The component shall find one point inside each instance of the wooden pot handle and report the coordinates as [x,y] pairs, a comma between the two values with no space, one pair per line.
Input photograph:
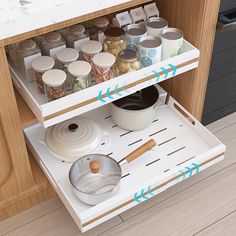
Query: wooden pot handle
[141,150]
[94,166]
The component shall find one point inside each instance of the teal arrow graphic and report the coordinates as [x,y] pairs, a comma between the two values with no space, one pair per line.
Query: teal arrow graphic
[182,173]
[174,69]
[116,90]
[135,198]
[142,194]
[149,191]
[197,167]
[100,97]
[157,74]
[108,94]
[166,72]
[190,171]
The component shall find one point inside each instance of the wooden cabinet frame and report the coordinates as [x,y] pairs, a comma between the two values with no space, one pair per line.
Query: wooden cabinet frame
[25,185]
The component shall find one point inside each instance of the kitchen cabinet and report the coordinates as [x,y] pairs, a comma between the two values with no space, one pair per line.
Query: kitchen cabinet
[24,184]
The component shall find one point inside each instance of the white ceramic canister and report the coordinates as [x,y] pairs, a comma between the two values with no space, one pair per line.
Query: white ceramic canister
[103,63]
[150,49]
[172,42]
[133,34]
[155,26]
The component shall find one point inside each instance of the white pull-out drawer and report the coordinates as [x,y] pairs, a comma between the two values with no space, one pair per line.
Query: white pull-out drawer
[184,148]
[50,113]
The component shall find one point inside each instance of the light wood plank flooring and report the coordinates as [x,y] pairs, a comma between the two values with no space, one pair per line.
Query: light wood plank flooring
[202,205]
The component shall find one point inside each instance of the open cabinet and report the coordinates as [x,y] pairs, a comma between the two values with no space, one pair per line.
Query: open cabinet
[24,184]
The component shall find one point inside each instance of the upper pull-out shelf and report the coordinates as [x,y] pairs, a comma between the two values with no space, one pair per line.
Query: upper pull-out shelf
[18,16]
[50,113]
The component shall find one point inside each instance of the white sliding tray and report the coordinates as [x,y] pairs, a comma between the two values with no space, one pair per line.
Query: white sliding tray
[185,147]
[50,113]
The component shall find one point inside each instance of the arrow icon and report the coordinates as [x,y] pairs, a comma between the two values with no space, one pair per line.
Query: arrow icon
[197,167]
[190,171]
[142,194]
[182,173]
[157,74]
[108,94]
[166,72]
[174,69]
[116,90]
[135,198]
[149,191]
[100,97]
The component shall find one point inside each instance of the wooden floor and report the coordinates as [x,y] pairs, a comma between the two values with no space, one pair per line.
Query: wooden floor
[202,205]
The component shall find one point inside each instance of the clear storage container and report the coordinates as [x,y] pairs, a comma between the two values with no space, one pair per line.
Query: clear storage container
[127,61]
[74,36]
[27,52]
[54,83]
[40,65]
[97,31]
[103,66]
[80,74]
[114,41]
[12,52]
[52,43]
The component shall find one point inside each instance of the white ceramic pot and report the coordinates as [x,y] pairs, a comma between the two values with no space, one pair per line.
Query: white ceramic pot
[132,113]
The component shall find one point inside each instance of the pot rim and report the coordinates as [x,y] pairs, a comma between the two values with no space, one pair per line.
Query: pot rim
[98,154]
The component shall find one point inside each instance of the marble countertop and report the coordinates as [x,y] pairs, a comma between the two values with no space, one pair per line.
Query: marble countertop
[20,16]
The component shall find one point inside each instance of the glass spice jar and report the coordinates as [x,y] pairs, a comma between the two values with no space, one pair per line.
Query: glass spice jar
[97,31]
[27,52]
[74,35]
[103,63]
[127,61]
[52,43]
[80,74]
[40,65]
[114,41]
[12,52]
[63,58]
[54,84]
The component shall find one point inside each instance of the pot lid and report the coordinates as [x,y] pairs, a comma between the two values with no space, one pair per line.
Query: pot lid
[91,47]
[67,55]
[74,138]
[43,63]
[54,77]
[104,59]
[79,68]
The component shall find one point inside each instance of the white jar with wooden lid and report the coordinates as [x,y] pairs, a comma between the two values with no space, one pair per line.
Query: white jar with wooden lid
[52,43]
[54,82]
[27,52]
[40,65]
[80,74]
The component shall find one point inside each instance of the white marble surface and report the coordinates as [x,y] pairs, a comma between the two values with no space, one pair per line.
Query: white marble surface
[19,16]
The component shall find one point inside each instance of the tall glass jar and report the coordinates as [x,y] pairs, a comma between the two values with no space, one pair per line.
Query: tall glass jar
[63,58]
[127,61]
[74,36]
[52,43]
[114,41]
[12,52]
[103,66]
[54,83]
[97,31]
[80,74]
[40,65]
[27,52]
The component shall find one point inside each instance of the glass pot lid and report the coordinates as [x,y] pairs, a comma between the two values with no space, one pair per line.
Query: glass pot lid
[74,138]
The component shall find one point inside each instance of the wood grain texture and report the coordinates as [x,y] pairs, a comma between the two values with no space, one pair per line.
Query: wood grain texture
[27,117]
[12,129]
[198,21]
[33,33]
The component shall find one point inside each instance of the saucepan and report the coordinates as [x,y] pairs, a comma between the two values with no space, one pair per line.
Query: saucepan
[96,177]
[136,111]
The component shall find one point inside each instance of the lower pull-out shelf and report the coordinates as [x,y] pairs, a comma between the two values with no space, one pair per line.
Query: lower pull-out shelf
[184,148]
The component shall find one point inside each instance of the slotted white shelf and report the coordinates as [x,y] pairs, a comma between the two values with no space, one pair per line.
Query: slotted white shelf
[185,147]
[50,113]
